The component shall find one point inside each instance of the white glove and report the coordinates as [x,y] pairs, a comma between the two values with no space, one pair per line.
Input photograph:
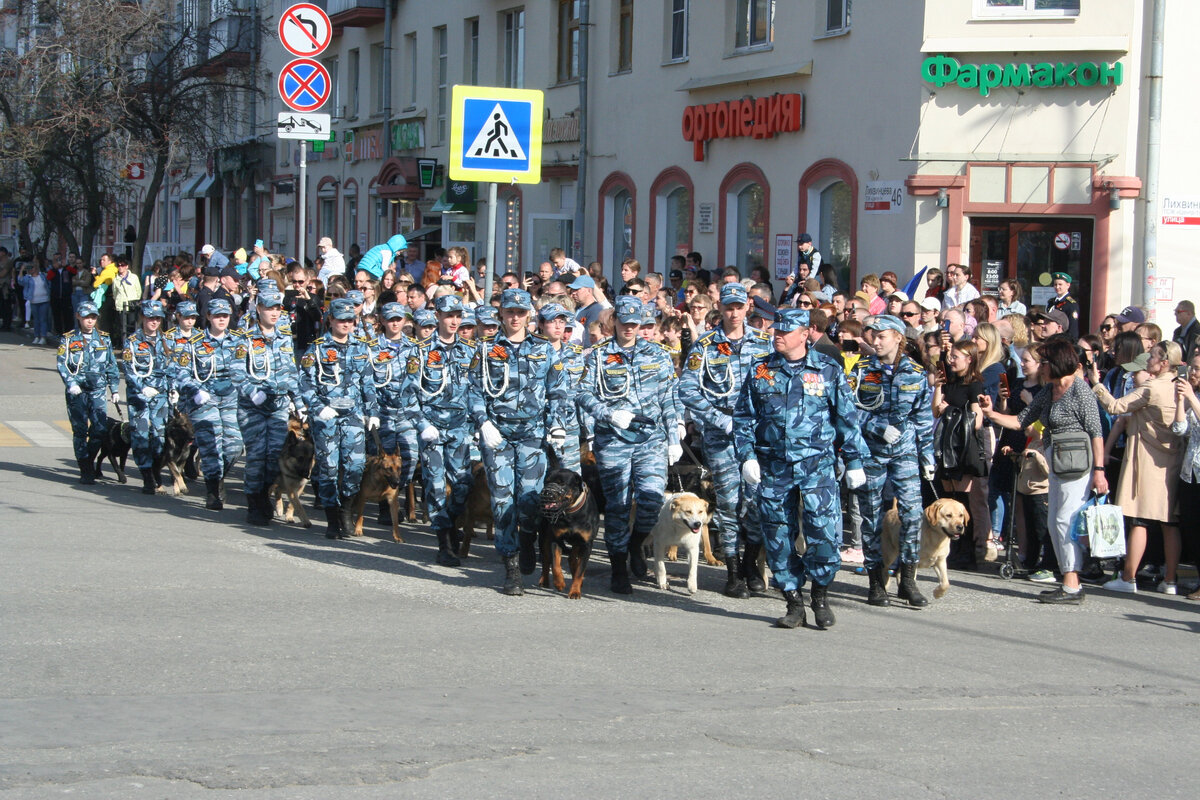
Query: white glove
[149,392]
[727,424]
[556,437]
[891,435]
[116,398]
[74,390]
[372,423]
[681,429]
[855,478]
[622,418]
[751,473]
[929,473]
[258,397]
[201,397]
[303,414]
[173,397]
[490,434]
[674,453]
[429,434]
[327,413]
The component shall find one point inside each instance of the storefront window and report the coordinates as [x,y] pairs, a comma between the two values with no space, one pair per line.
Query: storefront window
[622,230]
[834,237]
[751,228]
[679,223]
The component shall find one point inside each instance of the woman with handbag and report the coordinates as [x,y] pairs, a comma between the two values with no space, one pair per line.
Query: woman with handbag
[1187,425]
[1148,485]
[1070,416]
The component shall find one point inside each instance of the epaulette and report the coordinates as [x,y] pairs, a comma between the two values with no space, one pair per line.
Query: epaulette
[370,342]
[196,336]
[663,347]
[761,356]
[536,335]
[485,338]
[170,332]
[242,332]
[103,334]
[574,347]
[760,334]
[704,337]
[602,342]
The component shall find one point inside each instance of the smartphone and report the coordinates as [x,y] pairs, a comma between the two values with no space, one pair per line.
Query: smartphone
[946,325]
[849,346]
[1181,372]
[1004,381]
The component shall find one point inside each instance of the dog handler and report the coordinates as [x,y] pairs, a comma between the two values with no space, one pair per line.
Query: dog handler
[267,379]
[554,320]
[89,370]
[146,364]
[712,377]
[793,414]
[896,407]
[397,407]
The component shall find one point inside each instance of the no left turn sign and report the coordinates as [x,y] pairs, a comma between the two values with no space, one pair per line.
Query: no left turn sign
[305,30]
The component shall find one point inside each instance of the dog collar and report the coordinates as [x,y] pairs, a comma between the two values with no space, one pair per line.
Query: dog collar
[578,504]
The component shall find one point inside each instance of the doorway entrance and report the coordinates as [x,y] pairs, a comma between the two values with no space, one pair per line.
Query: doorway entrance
[1030,249]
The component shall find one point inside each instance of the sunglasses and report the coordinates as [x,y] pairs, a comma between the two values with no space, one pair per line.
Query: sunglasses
[805,304]
[1106,327]
[910,313]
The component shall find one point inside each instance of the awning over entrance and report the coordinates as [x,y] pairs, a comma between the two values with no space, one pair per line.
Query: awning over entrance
[421,233]
[205,186]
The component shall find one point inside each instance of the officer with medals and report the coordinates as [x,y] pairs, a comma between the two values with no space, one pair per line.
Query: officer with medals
[146,364]
[896,408]
[792,416]
[267,380]
[554,319]
[89,370]
[629,390]
[517,386]
[712,377]
[437,384]
[338,388]
[1065,303]
[397,408]
[205,371]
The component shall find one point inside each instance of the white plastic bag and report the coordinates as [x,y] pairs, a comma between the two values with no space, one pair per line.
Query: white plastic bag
[1105,529]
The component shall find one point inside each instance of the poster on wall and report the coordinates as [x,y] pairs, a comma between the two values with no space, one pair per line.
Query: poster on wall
[783,255]
[992,270]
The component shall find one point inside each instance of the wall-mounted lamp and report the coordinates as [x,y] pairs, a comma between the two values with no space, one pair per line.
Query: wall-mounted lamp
[1114,196]
[943,199]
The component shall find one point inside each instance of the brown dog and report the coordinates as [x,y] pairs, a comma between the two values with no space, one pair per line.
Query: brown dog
[570,521]
[478,509]
[295,466]
[380,481]
[944,521]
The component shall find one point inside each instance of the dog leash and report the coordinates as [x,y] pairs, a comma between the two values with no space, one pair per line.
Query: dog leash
[704,471]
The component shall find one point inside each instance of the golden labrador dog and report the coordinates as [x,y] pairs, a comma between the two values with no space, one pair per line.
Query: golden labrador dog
[944,521]
[682,521]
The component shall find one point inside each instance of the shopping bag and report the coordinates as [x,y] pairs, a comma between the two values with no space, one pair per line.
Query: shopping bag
[1079,532]
[1105,529]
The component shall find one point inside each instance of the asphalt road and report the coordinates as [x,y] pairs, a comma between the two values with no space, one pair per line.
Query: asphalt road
[150,648]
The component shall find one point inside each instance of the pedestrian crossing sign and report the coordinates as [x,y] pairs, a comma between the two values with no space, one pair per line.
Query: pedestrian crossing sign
[496,135]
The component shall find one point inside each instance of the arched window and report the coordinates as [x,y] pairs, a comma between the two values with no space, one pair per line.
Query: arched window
[618,223]
[829,213]
[671,198]
[745,219]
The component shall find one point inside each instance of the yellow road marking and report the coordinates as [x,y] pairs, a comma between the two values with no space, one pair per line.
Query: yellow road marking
[10,438]
[64,426]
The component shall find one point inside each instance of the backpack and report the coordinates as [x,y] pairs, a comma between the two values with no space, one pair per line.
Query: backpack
[956,445]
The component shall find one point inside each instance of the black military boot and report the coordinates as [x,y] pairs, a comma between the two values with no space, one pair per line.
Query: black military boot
[512,576]
[158,478]
[446,556]
[268,508]
[254,513]
[754,579]
[734,585]
[527,556]
[620,574]
[877,593]
[822,613]
[85,472]
[148,486]
[333,523]
[638,570]
[908,586]
[385,514]
[212,498]
[346,511]
[795,616]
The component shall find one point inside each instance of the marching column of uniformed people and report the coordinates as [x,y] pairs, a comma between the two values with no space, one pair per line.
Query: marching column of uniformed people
[146,365]
[88,369]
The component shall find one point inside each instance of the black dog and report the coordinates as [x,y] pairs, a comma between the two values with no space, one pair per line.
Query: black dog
[115,447]
[570,521]
[178,446]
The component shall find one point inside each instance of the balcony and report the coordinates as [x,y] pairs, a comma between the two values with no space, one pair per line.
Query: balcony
[228,42]
[355,13]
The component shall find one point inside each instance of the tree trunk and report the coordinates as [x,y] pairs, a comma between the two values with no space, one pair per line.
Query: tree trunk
[149,203]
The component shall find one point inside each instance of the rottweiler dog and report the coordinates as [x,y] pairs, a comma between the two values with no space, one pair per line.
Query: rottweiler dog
[115,447]
[570,521]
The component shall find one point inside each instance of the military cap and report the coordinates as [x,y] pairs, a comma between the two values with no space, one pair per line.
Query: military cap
[153,308]
[790,319]
[448,304]
[733,293]
[356,296]
[342,309]
[394,311]
[424,318]
[87,309]
[886,322]
[516,298]
[270,299]
[553,311]
[219,306]
[628,309]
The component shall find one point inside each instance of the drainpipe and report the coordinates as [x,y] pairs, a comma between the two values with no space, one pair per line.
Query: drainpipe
[1145,294]
[387,79]
[585,27]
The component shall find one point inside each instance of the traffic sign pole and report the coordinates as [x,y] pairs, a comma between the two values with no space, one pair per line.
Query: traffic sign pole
[491,245]
[300,193]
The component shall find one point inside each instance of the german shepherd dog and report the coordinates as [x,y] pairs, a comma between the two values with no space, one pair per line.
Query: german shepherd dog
[570,521]
[296,461]
[178,445]
[380,481]
[478,509]
[115,447]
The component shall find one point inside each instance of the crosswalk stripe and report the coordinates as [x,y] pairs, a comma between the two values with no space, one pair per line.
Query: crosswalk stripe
[40,433]
[10,438]
[64,426]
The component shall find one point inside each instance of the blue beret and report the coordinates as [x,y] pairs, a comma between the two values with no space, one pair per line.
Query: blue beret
[186,308]
[516,298]
[342,309]
[733,293]
[152,308]
[886,322]
[628,309]
[448,304]
[219,306]
[356,296]
[424,318]
[553,311]
[270,298]
[789,319]
[394,311]
[87,309]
